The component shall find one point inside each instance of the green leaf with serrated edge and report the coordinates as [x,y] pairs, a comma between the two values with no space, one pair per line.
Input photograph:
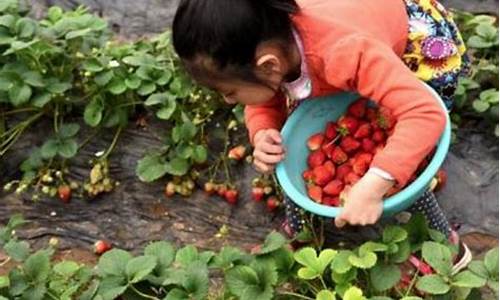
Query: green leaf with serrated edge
[314,266]
[384,277]
[93,112]
[480,106]
[273,242]
[67,148]
[490,96]
[164,253]
[146,88]
[353,293]
[113,263]
[7,20]
[200,154]
[17,250]
[4,282]
[432,284]
[177,166]
[340,262]
[68,130]
[228,256]
[33,78]
[186,255]
[380,298]
[177,294]
[25,27]
[438,257]
[40,100]
[67,268]
[411,298]
[478,42]
[133,82]
[253,282]
[363,260]
[20,94]
[116,86]
[18,282]
[167,110]
[403,252]
[394,234]
[373,247]
[50,148]
[325,295]
[103,78]
[196,280]
[37,266]
[151,167]
[111,287]
[467,279]
[491,262]
[139,267]
[58,87]
[344,278]
[477,267]
[93,65]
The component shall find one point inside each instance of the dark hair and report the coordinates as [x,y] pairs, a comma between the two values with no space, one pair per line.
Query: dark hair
[229,31]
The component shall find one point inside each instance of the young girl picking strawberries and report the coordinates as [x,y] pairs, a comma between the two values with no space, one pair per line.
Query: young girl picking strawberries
[271,54]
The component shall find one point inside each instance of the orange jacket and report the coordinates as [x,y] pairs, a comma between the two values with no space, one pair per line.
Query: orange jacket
[356,46]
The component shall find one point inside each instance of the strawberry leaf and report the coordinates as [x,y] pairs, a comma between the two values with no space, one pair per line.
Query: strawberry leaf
[314,266]
[433,284]
[229,256]
[467,279]
[491,262]
[394,234]
[340,263]
[384,277]
[113,262]
[252,282]
[438,257]
[273,242]
[353,293]
[196,280]
[139,267]
[325,295]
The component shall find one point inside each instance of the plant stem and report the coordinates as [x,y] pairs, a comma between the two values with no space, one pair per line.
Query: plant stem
[3,263]
[142,294]
[87,139]
[412,283]
[130,104]
[113,143]
[322,282]
[312,286]
[295,295]
[16,132]
[20,110]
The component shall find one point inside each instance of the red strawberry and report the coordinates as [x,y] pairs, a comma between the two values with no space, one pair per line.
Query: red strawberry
[363,131]
[328,148]
[64,192]
[315,192]
[330,166]
[170,189]
[342,171]
[331,201]
[371,114]
[338,155]
[334,187]
[315,141]
[347,125]
[358,108]
[257,193]
[367,145]
[331,130]
[365,157]
[221,190]
[209,188]
[237,153]
[385,119]
[316,158]
[322,175]
[422,267]
[308,175]
[442,178]
[231,196]
[272,203]
[351,178]
[101,246]
[378,136]
[360,167]
[349,144]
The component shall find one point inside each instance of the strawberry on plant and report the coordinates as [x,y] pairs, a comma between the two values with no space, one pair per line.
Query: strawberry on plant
[101,246]
[316,158]
[170,189]
[221,190]
[358,108]
[237,153]
[334,187]
[231,196]
[315,141]
[331,130]
[442,178]
[349,144]
[209,187]
[322,175]
[315,192]
[64,192]
[347,125]
[421,266]
[268,190]
[338,156]
[257,193]
[364,130]
[272,203]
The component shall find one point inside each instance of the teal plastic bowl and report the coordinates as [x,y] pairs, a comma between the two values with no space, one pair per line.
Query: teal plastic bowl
[311,117]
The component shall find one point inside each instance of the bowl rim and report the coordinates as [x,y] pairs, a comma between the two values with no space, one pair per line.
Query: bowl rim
[396,202]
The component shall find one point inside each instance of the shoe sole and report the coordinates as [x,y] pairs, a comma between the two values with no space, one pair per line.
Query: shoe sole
[463,262]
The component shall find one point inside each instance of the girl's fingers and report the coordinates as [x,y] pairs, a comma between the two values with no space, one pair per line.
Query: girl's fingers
[274,136]
[271,148]
[268,158]
[262,167]
[340,220]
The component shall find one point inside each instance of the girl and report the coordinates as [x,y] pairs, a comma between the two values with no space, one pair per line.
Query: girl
[271,54]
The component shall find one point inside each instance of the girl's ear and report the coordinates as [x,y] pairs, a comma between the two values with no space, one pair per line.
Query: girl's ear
[268,64]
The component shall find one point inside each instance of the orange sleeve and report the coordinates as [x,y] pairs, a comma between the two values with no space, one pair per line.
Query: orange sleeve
[365,65]
[271,114]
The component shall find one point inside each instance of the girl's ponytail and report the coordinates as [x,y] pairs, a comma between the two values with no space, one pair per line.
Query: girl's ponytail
[287,6]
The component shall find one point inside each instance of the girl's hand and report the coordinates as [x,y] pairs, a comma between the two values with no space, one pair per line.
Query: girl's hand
[268,150]
[363,202]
